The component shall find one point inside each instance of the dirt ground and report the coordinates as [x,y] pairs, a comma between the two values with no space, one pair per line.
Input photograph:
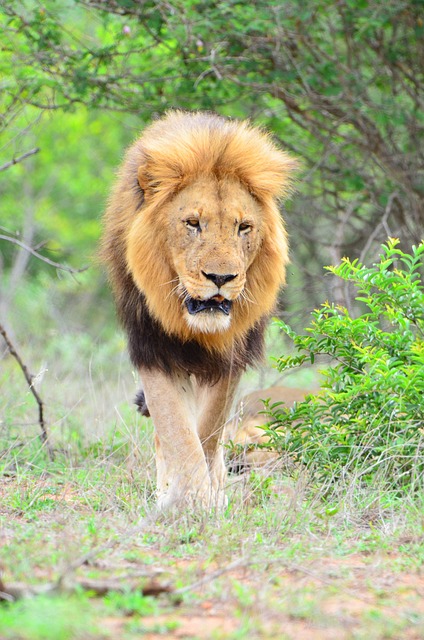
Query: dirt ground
[329,599]
[230,579]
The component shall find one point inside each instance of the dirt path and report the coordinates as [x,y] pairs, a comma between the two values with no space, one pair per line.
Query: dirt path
[241,578]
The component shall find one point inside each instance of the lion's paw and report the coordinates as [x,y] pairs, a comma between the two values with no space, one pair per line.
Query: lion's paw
[207,500]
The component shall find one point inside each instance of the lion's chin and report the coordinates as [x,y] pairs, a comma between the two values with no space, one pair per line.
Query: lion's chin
[208,321]
[212,315]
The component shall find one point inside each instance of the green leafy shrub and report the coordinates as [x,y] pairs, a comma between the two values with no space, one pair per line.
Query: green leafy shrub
[369,416]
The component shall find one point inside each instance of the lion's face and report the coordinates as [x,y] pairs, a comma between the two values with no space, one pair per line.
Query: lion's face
[209,260]
[214,233]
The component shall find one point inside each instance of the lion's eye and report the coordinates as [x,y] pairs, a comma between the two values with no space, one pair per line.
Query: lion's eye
[193,223]
[244,227]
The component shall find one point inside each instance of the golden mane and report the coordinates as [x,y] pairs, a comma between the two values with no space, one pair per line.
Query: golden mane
[181,147]
[171,154]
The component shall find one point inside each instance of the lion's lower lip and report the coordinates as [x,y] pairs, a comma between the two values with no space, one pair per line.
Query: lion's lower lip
[195,306]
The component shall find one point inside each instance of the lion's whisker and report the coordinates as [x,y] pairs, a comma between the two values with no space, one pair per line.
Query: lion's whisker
[183,294]
[247,295]
[242,299]
[177,279]
[246,298]
[173,290]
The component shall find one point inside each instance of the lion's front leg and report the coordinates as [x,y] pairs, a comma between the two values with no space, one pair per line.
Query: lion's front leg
[182,473]
[215,402]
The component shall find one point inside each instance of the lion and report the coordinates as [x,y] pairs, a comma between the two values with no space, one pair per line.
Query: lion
[245,430]
[196,252]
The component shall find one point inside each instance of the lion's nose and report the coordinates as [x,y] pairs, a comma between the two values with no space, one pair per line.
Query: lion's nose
[218,279]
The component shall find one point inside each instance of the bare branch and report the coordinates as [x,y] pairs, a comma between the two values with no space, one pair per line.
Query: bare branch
[240,562]
[30,380]
[19,159]
[63,267]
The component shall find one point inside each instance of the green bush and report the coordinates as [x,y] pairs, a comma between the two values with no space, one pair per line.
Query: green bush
[369,415]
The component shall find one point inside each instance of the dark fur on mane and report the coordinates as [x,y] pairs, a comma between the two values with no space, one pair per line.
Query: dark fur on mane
[151,347]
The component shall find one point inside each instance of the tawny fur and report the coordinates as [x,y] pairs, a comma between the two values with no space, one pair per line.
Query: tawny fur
[173,154]
[245,429]
[192,223]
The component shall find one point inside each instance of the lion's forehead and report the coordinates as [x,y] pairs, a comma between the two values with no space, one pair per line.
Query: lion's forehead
[223,203]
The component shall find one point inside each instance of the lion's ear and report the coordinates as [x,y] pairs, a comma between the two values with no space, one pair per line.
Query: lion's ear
[153,181]
[143,179]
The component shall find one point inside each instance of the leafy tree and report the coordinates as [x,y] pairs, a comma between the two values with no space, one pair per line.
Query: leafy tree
[340,84]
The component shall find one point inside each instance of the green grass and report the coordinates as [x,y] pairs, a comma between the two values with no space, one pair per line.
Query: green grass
[288,557]
[300,563]
[49,618]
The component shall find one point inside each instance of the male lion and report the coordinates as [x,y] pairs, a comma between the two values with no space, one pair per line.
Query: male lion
[196,253]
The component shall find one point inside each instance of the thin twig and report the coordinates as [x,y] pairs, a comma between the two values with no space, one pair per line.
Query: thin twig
[240,562]
[85,558]
[19,159]
[30,380]
[40,257]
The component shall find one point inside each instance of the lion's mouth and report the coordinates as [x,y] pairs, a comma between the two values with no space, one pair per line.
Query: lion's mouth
[217,303]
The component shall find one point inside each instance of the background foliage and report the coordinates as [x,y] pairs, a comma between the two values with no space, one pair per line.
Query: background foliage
[369,417]
[339,84]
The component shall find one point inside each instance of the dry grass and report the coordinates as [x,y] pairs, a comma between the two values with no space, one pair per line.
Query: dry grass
[286,560]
